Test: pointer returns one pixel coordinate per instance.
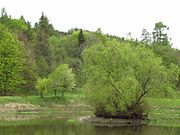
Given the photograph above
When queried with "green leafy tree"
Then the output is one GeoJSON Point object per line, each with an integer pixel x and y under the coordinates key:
{"type": "Point", "coordinates": [62, 79]}
{"type": "Point", "coordinates": [169, 56]}
{"type": "Point", "coordinates": [24, 33]}
{"type": "Point", "coordinates": [11, 62]}
{"type": "Point", "coordinates": [68, 46]}
{"type": "Point", "coordinates": [71, 48]}
{"type": "Point", "coordinates": [58, 52]}
{"type": "Point", "coordinates": [91, 38]}
{"type": "Point", "coordinates": [119, 76]}
{"type": "Point", "coordinates": [171, 84]}
{"type": "Point", "coordinates": [42, 86]}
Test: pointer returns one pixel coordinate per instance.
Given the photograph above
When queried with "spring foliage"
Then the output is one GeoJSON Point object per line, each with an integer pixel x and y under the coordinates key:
{"type": "Point", "coordinates": [62, 79]}
{"type": "Point", "coordinates": [11, 62]}
{"type": "Point", "coordinates": [42, 86]}
{"type": "Point", "coordinates": [120, 75]}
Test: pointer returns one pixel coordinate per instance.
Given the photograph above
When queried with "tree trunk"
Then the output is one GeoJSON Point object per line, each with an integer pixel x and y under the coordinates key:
{"type": "Point", "coordinates": [62, 94]}
{"type": "Point", "coordinates": [55, 93]}
{"type": "Point", "coordinates": [41, 94]}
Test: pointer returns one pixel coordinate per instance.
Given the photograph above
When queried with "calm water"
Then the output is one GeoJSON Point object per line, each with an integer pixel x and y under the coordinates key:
{"type": "Point", "coordinates": [65, 126]}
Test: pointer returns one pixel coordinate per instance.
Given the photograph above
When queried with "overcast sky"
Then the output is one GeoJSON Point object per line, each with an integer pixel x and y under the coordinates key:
{"type": "Point", "coordinates": [116, 17]}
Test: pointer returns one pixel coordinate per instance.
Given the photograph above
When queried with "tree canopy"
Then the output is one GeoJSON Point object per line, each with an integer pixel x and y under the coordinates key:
{"type": "Point", "coordinates": [62, 79]}
{"type": "Point", "coordinates": [11, 62]}
{"type": "Point", "coordinates": [120, 75]}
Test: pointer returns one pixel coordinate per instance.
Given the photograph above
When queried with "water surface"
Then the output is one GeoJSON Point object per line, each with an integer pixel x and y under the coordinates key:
{"type": "Point", "coordinates": [67, 126]}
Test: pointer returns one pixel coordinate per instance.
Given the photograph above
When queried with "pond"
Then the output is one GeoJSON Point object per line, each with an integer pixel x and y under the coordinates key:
{"type": "Point", "coordinates": [50, 125]}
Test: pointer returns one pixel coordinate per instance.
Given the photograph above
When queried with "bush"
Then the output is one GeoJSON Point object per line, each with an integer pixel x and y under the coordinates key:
{"type": "Point", "coordinates": [41, 86]}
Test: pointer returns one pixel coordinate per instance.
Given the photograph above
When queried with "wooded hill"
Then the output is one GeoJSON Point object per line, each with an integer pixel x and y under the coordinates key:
{"type": "Point", "coordinates": [30, 52]}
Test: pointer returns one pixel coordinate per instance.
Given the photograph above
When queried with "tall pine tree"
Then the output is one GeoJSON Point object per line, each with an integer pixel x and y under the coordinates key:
{"type": "Point", "coordinates": [42, 48]}
{"type": "Point", "coordinates": [81, 43]}
{"type": "Point", "coordinates": [160, 36]}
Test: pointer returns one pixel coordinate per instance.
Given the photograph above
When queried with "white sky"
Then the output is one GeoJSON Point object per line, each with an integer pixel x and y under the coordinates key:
{"type": "Point", "coordinates": [116, 17]}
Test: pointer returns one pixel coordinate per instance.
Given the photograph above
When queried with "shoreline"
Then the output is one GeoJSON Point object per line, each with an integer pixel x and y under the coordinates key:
{"type": "Point", "coordinates": [112, 121]}
{"type": "Point", "coordinates": [164, 112]}
{"type": "Point", "coordinates": [27, 108]}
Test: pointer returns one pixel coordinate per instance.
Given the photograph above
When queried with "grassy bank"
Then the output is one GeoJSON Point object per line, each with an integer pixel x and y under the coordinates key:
{"type": "Point", "coordinates": [47, 100]}
{"type": "Point", "coordinates": [162, 111]}
{"type": "Point", "coordinates": [72, 102]}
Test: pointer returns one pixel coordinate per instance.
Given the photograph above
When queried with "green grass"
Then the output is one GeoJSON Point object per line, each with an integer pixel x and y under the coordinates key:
{"type": "Point", "coordinates": [47, 100]}
{"type": "Point", "coordinates": [73, 103]}
{"type": "Point", "coordinates": [164, 111]}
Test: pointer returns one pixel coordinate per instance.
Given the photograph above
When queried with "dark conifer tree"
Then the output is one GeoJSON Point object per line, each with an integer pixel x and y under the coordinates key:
{"type": "Point", "coordinates": [42, 48]}
{"type": "Point", "coordinates": [81, 43]}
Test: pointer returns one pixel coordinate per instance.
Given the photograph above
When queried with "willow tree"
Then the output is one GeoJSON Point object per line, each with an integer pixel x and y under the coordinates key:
{"type": "Point", "coordinates": [119, 76]}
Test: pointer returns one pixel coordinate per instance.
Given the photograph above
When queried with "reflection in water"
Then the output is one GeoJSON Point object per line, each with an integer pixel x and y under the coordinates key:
{"type": "Point", "coordinates": [64, 127]}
